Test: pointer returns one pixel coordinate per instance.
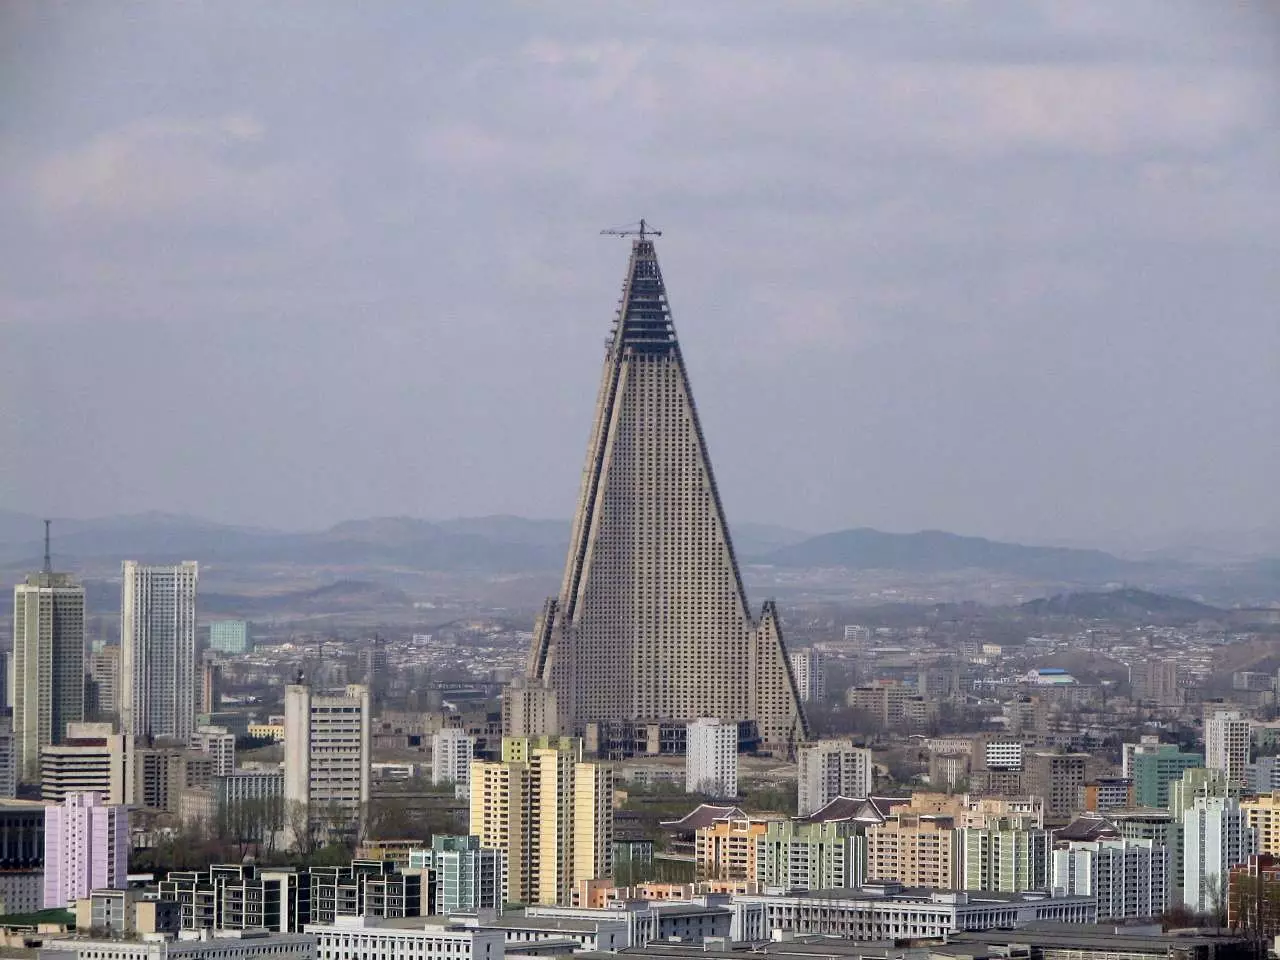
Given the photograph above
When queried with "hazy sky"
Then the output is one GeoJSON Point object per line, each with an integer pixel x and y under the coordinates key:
{"type": "Point", "coordinates": [1001, 268]}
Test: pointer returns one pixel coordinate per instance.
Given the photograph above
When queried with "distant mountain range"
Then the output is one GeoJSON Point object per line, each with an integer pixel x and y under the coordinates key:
{"type": "Point", "coordinates": [495, 544]}
{"type": "Point", "coordinates": [933, 551]}
{"type": "Point", "coordinates": [508, 544]}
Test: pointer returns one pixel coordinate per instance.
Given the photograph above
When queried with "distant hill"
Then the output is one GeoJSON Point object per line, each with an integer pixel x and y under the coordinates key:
{"type": "Point", "coordinates": [933, 551]}
{"type": "Point", "coordinates": [344, 594]}
{"type": "Point", "coordinates": [1126, 604]}
{"type": "Point", "coordinates": [493, 544]}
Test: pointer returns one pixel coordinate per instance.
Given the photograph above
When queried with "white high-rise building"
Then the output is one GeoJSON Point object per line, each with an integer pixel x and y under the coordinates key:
{"type": "Point", "coordinates": [711, 758]}
{"type": "Point", "coordinates": [219, 743]}
{"type": "Point", "coordinates": [1227, 740]}
{"type": "Point", "coordinates": [1216, 836]}
{"type": "Point", "coordinates": [831, 768]}
{"type": "Point", "coordinates": [158, 676]}
{"type": "Point", "coordinates": [1130, 878]}
{"type": "Point", "coordinates": [451, 753]}
{"type": "Point", "coordinates": [652, 622]}
{"type": "Point", "coordinates": [808, 668]}
{"type": "Point", "coordinates": [46, 668]}
{"type": "Point", "coordinates": [326, 760]}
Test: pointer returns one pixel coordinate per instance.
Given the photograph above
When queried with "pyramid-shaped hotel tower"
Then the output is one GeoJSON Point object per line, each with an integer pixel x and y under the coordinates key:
{"type": "Point", "coordinates": [652, 622]}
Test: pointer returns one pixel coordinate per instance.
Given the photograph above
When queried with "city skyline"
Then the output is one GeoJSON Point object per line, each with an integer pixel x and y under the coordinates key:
{"type": "Point", "coordinates": [1003, 275]}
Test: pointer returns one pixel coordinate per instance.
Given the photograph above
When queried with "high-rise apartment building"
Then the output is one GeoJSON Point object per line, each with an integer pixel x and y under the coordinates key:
{"type": "Point", "coordinates": [893, 705]}
{"type": "Point", "coordinates": [1006, 854]}
{"type": "Point", "coordinates": [1130, 878]}
{"type": "Point", "coordinates": [728, 847]}
{"type": "Point", "coordinates": [1128, 751]}
{"type": "Point", "coordinates": [451, 753]}
{"type": "Point", "coordinates": [1059, 778]}
{"type": "Point", "coordinates": [652, 621]}
{"type": "Point", "coordinates": [104, 679]}
{"type": "Point", "coordinates": [230, 636]}
{"type": "Point", "coordinates": [810, 671]}
{"type": "Point", "coordinates": [1155, 681]}
{"type": "Point", "coordinates": [86, 847]}
{"type": "Point", "coordinates": [1153, 767]}
{"type": "Point", "coordinates": [548, 812]}
{"type": "Point", "coordinates": [162, 772]}
{"type": "Point", "coordinates": [1263, 816]}
{"type": "Point", "coordinates": [210, 698]}
{"type": "Point", "coordinates": [1227, 740]}
{"type": "Point", "coordinates": [711, 758]}
{"type": "Point", "coordinates": [46, 668]}
{"type": "Point", "coordinates": [812, 854]}
{"type": "Point", "coordinates": [915, 849]}
{"type": "Point", "coordinates": [1215, 837]}
{"type": "Point", "coordinates": [158, 650]}
{"type": "Point", "coordinates": [831, 768]}
{"type": "Point", "coordinates": [326, 759]}
{"type": "Point", "coordinates": [220, 744]}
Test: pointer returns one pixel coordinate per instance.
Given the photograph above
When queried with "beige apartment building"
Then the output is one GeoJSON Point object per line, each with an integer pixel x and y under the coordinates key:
{"type": "Point", "coordinates": [1263, 815]}
{"type": "Point", "coordinates": [550, 812]}
{"type": "Point", "coordinates": [728, 849]}
{"type": "Point", "coordinates": [916, 849]}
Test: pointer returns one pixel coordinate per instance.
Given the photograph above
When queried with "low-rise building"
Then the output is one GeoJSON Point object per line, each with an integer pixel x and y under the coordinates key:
{"type": "Point", "coordinates": [466, 877]}
{"type": "Point", "coordinates": [240, 897]}
{"type": "Point", "coordinates": [227, 945]}
{"type": "Point", "coordinates": [371, 938]}
{"type": "Point", "coordinates": [21, 856]}
{"type": "Point", "coordinates": [891, 912]}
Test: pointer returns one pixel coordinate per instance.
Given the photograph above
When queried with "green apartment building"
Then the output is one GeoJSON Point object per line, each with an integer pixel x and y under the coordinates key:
{"type": "Point", "coordinates": [812, 855]}
{"type": "Point", "coordinates": [1153, 771]}
{"type": "Point", "coordinates": [1008, 855]}
{"type": "Point", "coordinates": [229, 636]}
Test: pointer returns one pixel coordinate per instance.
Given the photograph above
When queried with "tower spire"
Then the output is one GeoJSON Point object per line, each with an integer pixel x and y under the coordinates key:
{"type": "Point", "coordinates": [48, 556]}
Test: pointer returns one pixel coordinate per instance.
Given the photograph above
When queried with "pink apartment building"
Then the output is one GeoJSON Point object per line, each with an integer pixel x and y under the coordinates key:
{"type": "Point", "coordinates": [86, 847]}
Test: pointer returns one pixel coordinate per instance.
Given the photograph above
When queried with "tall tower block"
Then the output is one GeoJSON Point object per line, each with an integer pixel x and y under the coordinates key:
{"type": "Point", "coordinates": [652, 621]}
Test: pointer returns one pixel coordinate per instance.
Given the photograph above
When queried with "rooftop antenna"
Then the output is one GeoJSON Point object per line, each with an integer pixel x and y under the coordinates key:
{"type": "Point", "coordinates": [641, 230]}
{"type": "Point", "coordinates": [48, 557]}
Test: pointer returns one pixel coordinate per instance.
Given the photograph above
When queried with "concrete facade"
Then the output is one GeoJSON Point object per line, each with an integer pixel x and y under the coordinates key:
{"type": "Point", "coordinates": [158, 650]}
{"type": "Point", "coordinates": [652, 620]}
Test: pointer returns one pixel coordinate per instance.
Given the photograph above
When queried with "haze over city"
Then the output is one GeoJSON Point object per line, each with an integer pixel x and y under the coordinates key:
{"type": "Point", "coordinates": [1004, 269]}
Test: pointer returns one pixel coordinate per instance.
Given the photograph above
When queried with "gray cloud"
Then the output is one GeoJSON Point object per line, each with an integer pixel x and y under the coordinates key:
{"type": "Point", "coordinates": [1004, 268]}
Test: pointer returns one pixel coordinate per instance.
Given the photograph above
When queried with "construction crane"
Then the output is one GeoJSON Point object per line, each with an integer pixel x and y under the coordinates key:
{"type": "Point", "coordinates": [641, 230]}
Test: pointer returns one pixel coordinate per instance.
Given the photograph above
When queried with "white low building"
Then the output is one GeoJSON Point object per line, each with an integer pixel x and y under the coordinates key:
{"type": "Point", "coordinates": [220, 945]}
{"type": "Point", "coordinates": [371, 938]}
{"type": "Point", "coordinates": [888, 911]}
